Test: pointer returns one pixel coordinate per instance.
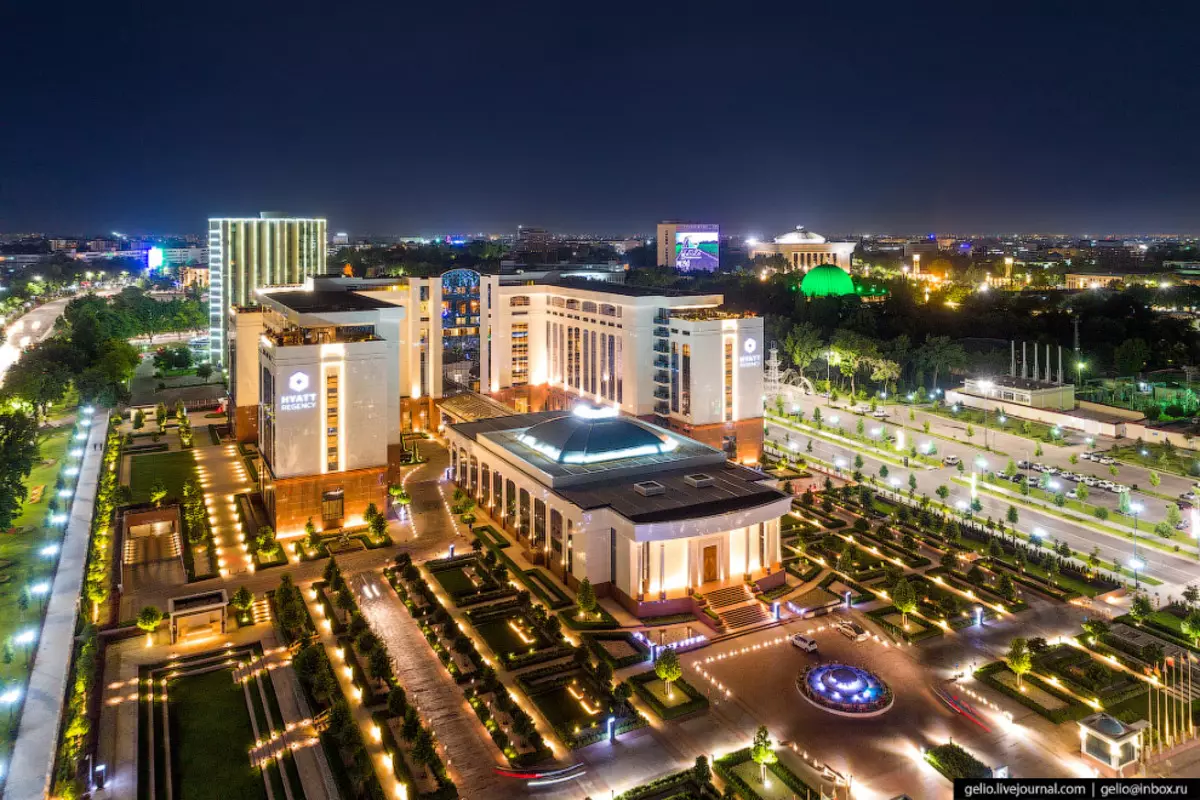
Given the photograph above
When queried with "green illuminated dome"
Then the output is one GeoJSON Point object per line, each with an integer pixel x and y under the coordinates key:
{"type": "Point", "coordinates": [826, 280]}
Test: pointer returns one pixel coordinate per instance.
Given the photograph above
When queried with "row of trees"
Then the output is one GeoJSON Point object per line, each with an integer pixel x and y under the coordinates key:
{"type": "Point", "coordinates": [850, 354]}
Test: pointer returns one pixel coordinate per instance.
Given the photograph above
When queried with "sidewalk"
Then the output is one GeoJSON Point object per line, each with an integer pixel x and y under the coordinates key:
{"type": "Point", "coordinates": [37, 737]}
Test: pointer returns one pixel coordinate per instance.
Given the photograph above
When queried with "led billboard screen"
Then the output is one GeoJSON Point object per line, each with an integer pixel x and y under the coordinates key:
{"type": "Point", "coordinates": [696, 247]}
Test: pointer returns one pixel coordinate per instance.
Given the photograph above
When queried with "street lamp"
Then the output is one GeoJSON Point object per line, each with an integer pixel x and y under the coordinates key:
{"type": "Point", "coordinates": [1079, 367]}
{"type": "Point", "coordinates": [1135, 509]}
{"type": "Point", "coordinates": [10, 698]}
{"type": "Point", "coordinates": [1135, 564]}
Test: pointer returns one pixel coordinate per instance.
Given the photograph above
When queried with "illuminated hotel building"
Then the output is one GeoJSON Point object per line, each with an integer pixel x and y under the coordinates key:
{"type": "Point", "coordinates": [328, 405]}
{"type": "Point", "coordinates": [247, 253]}
{"type": "Point", "coordinates": [669, 357]}
{"type": "Point", "coordinates": [650, 517]}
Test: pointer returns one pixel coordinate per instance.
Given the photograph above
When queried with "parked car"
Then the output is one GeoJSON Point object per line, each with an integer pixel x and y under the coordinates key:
{"type": "Point", "coordinates": [1073, 495]}
{"type": "Point", "coordinates": [1106, 460]}
{"type": "Point", "coordinates": [1090, 481]}
{"type": "Point", "coordinates": [1024, 464]}
{"type": "Point", "coordinates": [1182, 525]}
{"type": "Point", "coordinates": [951, 461]}
{"type": "Point", "coordinates": [879, 413]}
{"type": "Point", "coordinates": [805, 643]}
{"type": "Point", "coordinates": [1185, 505]}
{"type": "Point", "coordinates": [1051, 470]}
{"type": "Point", "coordinates": [1188, 496]}
{"type": "Point", "coordinates": [851, 630]}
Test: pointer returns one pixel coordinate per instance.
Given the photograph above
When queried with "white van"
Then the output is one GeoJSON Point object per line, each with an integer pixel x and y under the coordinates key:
{"type": "Point", "coordinates": [804, 643]}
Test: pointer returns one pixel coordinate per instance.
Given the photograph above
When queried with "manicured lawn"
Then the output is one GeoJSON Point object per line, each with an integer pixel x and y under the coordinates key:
{"type": "Point", "coordinates": [211, 737]}
{"type": "Point", "coordinates": [775, 789]}
{"type": "Point", "coordinates": [676, 697]}
{"type": "Point", "coordinates": [21, 562]}
{"type": "Point", "coordinates": [560, 707]}
{"type": "Point", "coordinates": [1178, 460]}
{"type": "Point", "coordinates": [1027, 428]}
{"type": "Point", "coordinates": [454, 580]}
{"type": "Point", "coordinates": [501, 637]}
{"type": "Point", "coordinates": [172, 468]}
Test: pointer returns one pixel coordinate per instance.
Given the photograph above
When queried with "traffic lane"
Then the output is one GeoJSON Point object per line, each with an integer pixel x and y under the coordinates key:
{"type": "Point", "coordinates": [1167, 567]}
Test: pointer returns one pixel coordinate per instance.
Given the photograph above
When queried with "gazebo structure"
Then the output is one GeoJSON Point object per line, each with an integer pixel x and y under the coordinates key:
{"type": "Point", "coordinates": [1110, 743]}
{"type": "Point", "coordinates": [198, 615]}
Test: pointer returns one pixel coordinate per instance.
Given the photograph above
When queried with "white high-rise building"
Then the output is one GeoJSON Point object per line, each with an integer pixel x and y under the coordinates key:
{"type": "Point", "coordinates": [246, 253]}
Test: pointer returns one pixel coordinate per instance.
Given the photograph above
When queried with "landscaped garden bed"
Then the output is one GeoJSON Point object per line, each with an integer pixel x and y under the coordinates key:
{"type": "Point", "coordinates": [213, 724]}
{"type": "Point", "coordinates": [739, 770]}
{"type": "Point", "coordinates": [578, 701]}
{"type": "Point", "coordinates": [519, 633]}
{"type": "Point", "coordinates": [618, 648]}
{"type": "Point", "coordinates": [511, 729]}
{"type": "Point", "coordinates": [668, 702]}
{"type": "Point", "coordinates": [1053, 704]}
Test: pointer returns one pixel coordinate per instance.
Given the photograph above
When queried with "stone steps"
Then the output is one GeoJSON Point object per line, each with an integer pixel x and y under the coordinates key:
{"type": "Point", "coordinates": [729, 596]}
{"type": "Point", "coordinates": [749, 614]}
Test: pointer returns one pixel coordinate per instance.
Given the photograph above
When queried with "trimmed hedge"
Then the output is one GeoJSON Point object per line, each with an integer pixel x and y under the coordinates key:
{"type": "Point", "coordinates": [725, 765]}
{"type": "Point", "coordinates": [606, 621]}
{"type": "Point", "coordinates": [929, 630]}
{"type": "Point", "coordinates": [679, 785]}
{"type": "Point", "coordinates": [955, 762]}
{"type": "Point", "coordinates": [696, 702]}
{"type": "Point", "coordinates": [594, 640]}
{"type": "Point", "coordinates": [545, 590]}
{"type": "Point", "coordinates": [1074, 710]}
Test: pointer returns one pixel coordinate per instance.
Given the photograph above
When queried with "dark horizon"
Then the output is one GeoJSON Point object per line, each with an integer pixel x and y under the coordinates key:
{"type": "Point", "coordinates": [411, 121]}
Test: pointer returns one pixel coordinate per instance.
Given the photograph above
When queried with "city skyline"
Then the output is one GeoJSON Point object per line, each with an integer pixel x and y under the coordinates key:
{"type": "Point", "coordinates": [884, 119]}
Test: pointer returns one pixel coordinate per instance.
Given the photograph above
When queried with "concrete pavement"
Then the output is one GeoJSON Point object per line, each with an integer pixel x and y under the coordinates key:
{"type": "Point", "coordinates": [37, 736]}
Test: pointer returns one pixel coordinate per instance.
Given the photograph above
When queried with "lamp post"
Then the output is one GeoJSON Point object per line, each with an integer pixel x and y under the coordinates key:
{"type": "Point", "coordinates": [1080, 366]}
{"type": "Point", "coordinates": [986, 385]}
{"type": "Point", "coordinates": [1135, 563]}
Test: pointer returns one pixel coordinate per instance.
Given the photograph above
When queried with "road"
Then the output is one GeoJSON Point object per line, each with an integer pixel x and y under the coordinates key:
{"type": "Point", "coordinates": [29, 329]}
{"type": "Point", "coordinates": [1175, 571]}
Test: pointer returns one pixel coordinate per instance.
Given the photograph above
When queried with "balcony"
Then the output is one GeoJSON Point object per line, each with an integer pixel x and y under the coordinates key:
{"type": "Point", "coordinates": [662, 319]}
{"type": "Point", "coordinates": [662, 332]}
{"type": "Point", "coordinates": [662, 393]}
{"type": "Point", "coordinates": [662, 362]}
{"type": "Point", "coordinates": [662, 409]}
{"type": "Point", "coordinates": [661, 347]}
{"type": "Point", "coordinates": [662, 377]}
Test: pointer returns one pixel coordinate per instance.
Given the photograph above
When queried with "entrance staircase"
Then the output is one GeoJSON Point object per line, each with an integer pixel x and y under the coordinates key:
{"type": "Point", "coordinates": [736, 607]}
{"type": "Point", "coordinates": [729, 596]}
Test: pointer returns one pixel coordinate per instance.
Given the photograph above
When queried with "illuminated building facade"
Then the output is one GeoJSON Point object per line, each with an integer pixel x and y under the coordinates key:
{"type": "Point", "coordinates": [328, 405]}
{"type": "Point", "coordinates": [647, 515]}
{"type": "Point", "coordinates": [802, 250]}
{"type": "Point", "coordinates": [245, 254]}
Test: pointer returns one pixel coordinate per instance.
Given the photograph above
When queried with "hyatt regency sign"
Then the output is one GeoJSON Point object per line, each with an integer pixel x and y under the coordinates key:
{"type": "Point", "coordinates": [299, 400]}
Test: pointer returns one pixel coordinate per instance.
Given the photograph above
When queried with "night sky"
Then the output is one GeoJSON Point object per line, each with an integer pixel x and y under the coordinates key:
{"type": "Point", "coordinates": [411, 118]}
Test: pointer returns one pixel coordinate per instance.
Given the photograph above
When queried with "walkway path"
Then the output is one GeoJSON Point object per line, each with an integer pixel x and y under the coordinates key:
{"type": "Point", "coordinates": [470, 754]}
{"type": "Point", "coordinates": [37, 737]}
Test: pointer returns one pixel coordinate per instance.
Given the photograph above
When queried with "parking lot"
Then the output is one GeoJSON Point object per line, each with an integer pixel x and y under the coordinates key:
{"type": "Point", "coordinates": [882, 753]}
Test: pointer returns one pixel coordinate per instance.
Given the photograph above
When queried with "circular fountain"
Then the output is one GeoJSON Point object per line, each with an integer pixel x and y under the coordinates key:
{"type": "Point", "coordinates": [845, 690]}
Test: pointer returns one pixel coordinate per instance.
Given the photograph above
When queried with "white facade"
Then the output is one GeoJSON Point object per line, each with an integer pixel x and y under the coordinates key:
{"type": "Point", "coordinates": [803, 250]}
{"type": "Point", "coordinates": [326, 403]}
{"type": "Point", "coordinates": [592, 521]}
{"type": "Point", "coordinates": [624, 349]}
